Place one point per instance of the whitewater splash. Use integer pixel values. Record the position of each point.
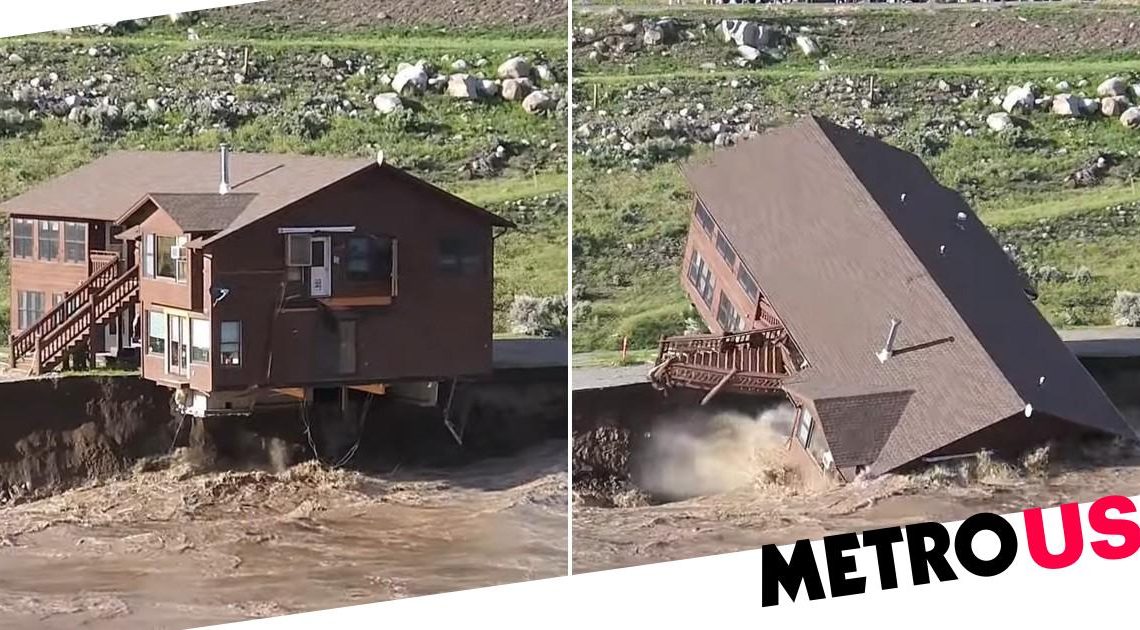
(701, 453)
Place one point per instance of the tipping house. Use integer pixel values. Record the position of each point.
(834, 270)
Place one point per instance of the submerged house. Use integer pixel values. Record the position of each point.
(833, 269)
(243, 279)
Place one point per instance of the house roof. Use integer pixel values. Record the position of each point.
(114, 184)
(814, 209)
(202, 212)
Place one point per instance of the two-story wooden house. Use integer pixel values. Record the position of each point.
(254, 277)
(835, 271)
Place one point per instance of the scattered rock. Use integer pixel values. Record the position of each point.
(514, 68)
(459, 65)
(538, 102)
(748, 52)
(1113, 105)
(463, 86)
(410, 80)
(1067, 105)
(745, 33)
(516, 89)
(327, 61)
(388, 103)
(1018, 99)
(1112, 87)
(14, 58)
(1131, 117)
(544, 72)
(999, 121)
(807, 45)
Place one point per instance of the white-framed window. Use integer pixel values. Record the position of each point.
(229, 343)
(702, 278)
(804, 433)
(48, 237)
(156, 333)
(148, 255)
(176, 343)
(74, 242)
(727, 316)
(23, 238)
(200, 341)
(29, 308)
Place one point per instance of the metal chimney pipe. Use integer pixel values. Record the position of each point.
(224, 185)
(889, 347)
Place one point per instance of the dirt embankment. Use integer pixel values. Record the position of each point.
(371, 14)
(58, 433)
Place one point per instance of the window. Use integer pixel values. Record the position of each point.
(148, 255)
(229, 346)
(156, 333)
(701, 277)
(748, 284)
(75, 242)
(176, 340)
(461, 256)
(727, 316)
(725, 250)
(23, 238)
(49, 240)
(369, 258)
(704, 218)
(29, 308)
(299, 250)
(199, 341)
(166, 265)
(804, 432)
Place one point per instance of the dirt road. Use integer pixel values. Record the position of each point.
(168, 548)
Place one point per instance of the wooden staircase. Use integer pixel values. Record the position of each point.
(753, 362)
(102, 296)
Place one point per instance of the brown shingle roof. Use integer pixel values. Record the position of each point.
(818, 214)
(203, 212)
(106, 188)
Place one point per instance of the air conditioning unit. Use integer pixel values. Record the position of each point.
(177, 252)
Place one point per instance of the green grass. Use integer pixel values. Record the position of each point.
(613, 358)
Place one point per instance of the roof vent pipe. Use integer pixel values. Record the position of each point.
(889, 347)
(224, 185)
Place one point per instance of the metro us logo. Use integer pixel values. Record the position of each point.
(928, 547)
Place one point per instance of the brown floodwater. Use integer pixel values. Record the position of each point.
(737, 489)
(169, 547)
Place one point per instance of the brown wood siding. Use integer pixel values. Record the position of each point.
(437, 326)
(47, 277)
(164, 291)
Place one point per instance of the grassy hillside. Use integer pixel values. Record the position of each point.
(923, 80)
(265, 80)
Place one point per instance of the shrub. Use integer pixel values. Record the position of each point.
(538, 316)
(1126, 308)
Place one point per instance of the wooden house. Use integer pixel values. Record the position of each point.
(835, 271)
(249, 278)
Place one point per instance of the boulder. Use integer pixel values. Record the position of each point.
(410, 80)
(538, 102)
(488, 88)
(748, 52)
(516, 89)
(1067, 105)
(544, 72)
(653, 36)
(1115, 86)
(514, 68)
(327, 61)
(807, 45)
(745, 33)
(14, 58)
(388, 103)
(1090, 106)
(1018, 99)
(463, 86)
(999, 121)
(1113, 105)
(1131, 117)
(459, 65)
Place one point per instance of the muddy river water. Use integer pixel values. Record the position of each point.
(765, 498)
(169, 547)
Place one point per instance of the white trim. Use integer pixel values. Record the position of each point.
(310, 230)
